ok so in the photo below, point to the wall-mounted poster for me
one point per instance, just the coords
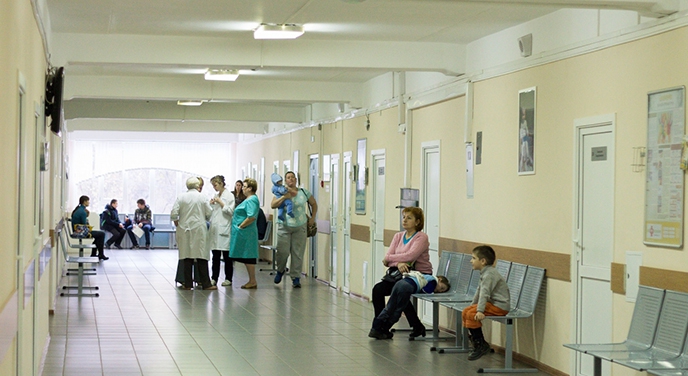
(664, 177)
(526, 131)
(360, 177)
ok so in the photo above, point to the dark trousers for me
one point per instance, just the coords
(202, 278)
(399, 300)
(146, 231)
(98, 240)
(117, 235)
(229, 265)
(383, 289)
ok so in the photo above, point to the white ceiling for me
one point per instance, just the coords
(136, 58)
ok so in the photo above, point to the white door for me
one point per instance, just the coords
(334, 217)
(378, 218)
(430, 173)
(346, 220)
(594, 247)
(313, 242)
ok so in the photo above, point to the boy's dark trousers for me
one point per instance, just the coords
(383, 289)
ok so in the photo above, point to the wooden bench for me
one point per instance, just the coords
(657, 338)
(80, 261)
(525, 283)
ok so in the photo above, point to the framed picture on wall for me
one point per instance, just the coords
(526, 131)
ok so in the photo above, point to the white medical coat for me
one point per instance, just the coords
(221, 222)
(192, 210)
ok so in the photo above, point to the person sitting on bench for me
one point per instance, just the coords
(491, 299)
(109, 221)
(414, 282)
(80, 217)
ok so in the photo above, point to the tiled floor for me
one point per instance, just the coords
(143, 325)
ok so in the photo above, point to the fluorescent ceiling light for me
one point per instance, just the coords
(274, 31)
(195, 103)
(221, 75)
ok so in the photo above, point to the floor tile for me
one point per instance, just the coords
(142, 324)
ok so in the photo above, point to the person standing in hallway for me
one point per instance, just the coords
(238, 192)
(80, 217)
(291, 233)
(190, 214)
(220, 229)
(244, 238)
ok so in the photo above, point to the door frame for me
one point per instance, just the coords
(425, 308)
(334, 219)
(347, 181)
(603, 122)
(313, 187)
(375, 216)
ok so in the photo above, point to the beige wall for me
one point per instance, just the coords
(535, 211)
(21, 54)
(532, 212)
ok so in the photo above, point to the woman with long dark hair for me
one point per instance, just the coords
(238, 193)
(80, 217)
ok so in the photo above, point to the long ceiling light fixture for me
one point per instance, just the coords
(221, 75)
(278, 31)
(193, 103)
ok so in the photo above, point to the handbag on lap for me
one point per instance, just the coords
(82, 231)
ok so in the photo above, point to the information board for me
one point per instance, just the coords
(664, 179)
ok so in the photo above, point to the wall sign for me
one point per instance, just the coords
(664, 178)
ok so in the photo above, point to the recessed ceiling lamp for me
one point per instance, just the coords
(221, 75)
(278, 31)
(194, 103)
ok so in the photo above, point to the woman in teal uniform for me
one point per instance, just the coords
(244, 239)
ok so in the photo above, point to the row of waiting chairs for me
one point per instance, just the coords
(524, 283)
(657, 340)
(81, 260)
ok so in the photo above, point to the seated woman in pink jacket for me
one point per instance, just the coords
(409, 250)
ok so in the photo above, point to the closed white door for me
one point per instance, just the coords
(378, 218)
(346, 220)
(594, 247)
(334, 217)
(431, 208)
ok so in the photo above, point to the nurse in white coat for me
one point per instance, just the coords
(220, 228)
(190, 213)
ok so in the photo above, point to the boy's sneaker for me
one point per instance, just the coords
(480, 349)
(296, 283)
(213, 282)
(227, 283)
(278, 277)
(135, 247)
